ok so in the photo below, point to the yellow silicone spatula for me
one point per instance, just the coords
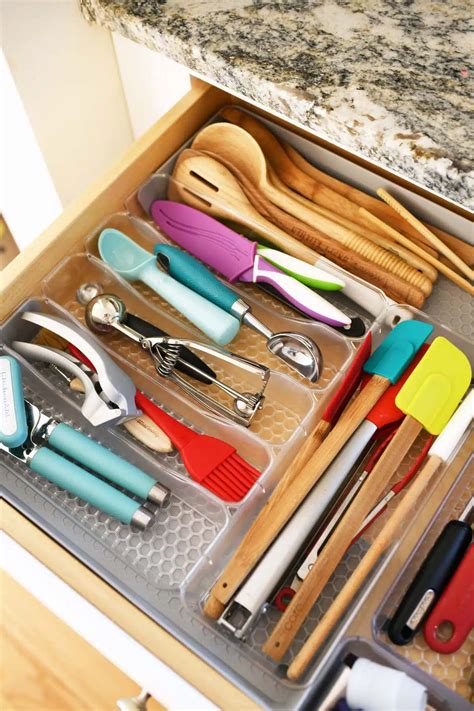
(429, 398)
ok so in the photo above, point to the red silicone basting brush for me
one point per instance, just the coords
(210, 461)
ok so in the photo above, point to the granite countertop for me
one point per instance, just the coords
(389, 80)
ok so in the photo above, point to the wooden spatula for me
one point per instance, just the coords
(429, 398)
(386, 365)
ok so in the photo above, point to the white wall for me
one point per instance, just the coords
(152, 83)
(67, 77)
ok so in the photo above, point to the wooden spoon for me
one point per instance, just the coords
(202, 181)
(239, 149)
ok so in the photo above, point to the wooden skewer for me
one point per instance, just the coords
(432, 238)
(292, 619)
(389, 244)
(387, 536)
(449, 273)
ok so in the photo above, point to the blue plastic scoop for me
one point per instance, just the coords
(134, 263)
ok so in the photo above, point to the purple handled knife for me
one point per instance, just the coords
(236, 258)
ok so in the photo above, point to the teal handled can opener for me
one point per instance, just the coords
(117, 402)
(36, 439)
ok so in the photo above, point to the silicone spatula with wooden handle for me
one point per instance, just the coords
(429, 398)
(386, 365)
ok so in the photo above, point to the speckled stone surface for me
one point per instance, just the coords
(390, 80)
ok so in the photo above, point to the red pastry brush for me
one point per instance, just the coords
(210, 461)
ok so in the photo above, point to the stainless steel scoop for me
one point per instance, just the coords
(107, 312)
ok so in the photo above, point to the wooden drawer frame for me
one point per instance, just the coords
(21, 279)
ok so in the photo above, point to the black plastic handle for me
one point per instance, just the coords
(436, 571)
(150, 331)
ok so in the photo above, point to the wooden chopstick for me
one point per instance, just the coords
(442, 268)
(432, 238)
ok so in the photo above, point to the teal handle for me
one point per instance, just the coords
(220, 326)
(13, 427)
(193, 273)
(72, 478)
(101, 460)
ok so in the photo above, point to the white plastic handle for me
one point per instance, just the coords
(445, 444)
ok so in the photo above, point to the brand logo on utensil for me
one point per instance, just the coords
(8, 423)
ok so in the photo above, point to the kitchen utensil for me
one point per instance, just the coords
(141, 428)
(86, 292)
(432, 577)
(427, 234)
(203, 175)
(447, 271)
(374, 687)
(134, 263)
(386, 364)
(439, 453)
(213, 607)
(105, 313)
(295, 349)
(416, 270)
(223, 197)
(454, 610)
(44, 433)
(429, 397)
(235, 257)
(379, 209)
(119, 390)
(210, 461)
(384, 414)
(379, 508)
(305, 273)
(241, 613)
(239, 149)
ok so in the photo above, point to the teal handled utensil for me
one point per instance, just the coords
(295, 349)
(134, 263)
(31, 437)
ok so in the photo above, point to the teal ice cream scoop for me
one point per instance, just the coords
(134, 263)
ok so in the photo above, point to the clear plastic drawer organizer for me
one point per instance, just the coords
(167, 569)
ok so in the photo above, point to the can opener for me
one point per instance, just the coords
(36, 439)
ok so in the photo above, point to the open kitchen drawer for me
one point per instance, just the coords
(22, 279)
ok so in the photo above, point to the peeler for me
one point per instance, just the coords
(32, 437)
(107, 312)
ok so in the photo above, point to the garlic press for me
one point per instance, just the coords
(117, 402)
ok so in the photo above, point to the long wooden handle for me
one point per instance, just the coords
(430, 236)
(290, 492)
(359, 576)
(379, 250)
(382, 240)
(379, 209)
(292, 619)
(395, 287)
(449, 273)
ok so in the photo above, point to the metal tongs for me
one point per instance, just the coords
(107, 312)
